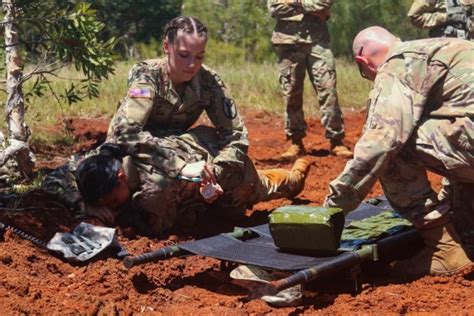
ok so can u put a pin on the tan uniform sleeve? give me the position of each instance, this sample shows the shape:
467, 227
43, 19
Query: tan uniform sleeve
279, 9
233, 137
427, 14
127, 126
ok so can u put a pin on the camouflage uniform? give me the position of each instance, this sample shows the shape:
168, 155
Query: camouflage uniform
159, 199
433, 15
152, 108
301, 39
420, 117
468, 5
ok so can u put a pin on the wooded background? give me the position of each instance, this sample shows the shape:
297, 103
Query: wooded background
239, 28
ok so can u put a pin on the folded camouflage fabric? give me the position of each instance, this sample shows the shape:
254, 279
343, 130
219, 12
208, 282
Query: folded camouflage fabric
372, 228
84, 242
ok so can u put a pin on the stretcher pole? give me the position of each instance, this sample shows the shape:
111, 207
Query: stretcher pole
173, 251
341, 262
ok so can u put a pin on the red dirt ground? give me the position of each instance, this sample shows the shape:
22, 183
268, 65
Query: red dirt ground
32, 281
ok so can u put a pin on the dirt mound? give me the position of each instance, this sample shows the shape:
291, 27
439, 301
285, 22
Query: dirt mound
34, 281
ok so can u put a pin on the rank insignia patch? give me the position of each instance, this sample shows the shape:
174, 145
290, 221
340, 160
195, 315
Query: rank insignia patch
230, 111
144, 93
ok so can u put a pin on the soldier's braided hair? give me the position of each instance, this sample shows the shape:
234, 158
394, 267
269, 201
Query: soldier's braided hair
185, 24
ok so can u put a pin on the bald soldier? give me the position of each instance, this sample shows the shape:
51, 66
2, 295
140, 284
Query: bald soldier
419, 117
443, 18
301, 40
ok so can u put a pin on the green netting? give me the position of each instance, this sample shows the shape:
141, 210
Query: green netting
367, 230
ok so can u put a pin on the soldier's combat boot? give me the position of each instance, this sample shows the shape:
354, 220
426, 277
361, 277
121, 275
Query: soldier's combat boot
442, 255
281, 183
340, 150
294, 151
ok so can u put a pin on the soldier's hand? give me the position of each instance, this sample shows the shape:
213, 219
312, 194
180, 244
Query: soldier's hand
103, 213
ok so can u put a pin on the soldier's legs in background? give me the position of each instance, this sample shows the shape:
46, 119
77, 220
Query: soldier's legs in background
292, 66
322, 73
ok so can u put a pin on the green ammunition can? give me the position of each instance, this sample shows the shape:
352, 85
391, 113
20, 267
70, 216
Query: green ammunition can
307, 228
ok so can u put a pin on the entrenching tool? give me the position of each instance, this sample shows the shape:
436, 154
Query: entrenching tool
83, 243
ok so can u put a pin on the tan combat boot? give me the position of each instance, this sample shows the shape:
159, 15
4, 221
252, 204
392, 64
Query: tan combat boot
340, 150
442, 255
294, 151
281, 183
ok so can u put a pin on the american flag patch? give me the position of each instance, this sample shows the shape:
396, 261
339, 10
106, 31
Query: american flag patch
139, 93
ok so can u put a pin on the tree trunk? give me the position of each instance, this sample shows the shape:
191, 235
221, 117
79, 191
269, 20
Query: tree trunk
18, 132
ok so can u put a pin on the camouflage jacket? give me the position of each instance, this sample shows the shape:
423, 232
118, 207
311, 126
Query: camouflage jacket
152, 108
436, 15
302, 22
430, 78
428, 14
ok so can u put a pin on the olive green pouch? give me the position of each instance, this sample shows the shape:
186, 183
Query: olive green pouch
307, 228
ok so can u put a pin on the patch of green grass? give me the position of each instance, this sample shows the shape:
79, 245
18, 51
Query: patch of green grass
256, 86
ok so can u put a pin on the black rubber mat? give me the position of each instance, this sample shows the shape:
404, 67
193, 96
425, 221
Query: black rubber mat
261, 251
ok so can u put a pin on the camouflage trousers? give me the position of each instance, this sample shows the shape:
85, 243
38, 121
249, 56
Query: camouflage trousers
444, 147
165, 201
318, 61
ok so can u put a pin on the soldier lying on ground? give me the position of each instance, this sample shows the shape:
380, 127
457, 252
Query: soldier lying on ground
166, 96
140, 192
419, 117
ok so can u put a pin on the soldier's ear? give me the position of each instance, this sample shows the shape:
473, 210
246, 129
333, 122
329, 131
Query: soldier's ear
166, 47
361, 60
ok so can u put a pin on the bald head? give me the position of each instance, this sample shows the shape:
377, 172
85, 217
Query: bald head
371, 46
373, 39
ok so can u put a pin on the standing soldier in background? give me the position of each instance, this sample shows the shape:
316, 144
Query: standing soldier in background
443, 18
301, 39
